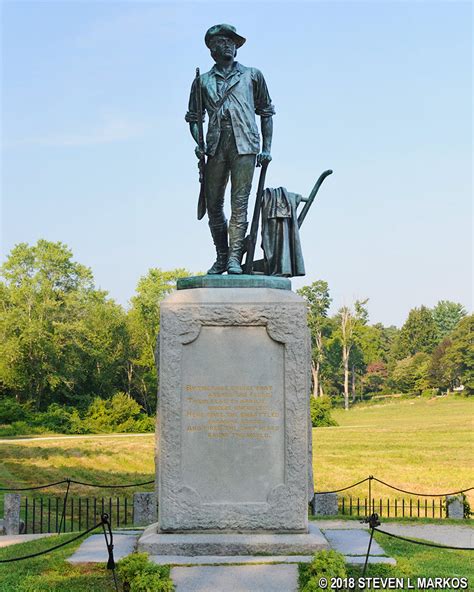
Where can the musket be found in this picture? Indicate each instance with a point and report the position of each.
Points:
(309, 200)
(252, 237)
(201, 208)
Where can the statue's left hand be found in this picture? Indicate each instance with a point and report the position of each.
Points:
(263, 157)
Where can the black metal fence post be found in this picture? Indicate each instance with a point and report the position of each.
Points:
(63, 516)
(373, 523)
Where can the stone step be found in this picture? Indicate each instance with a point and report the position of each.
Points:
(231, 544)
(183, 560)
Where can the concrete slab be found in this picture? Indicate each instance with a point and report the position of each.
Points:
(249, 578)
(229, 559)
(256, 559)
(231, 544)
(93, 549)
(352, 542)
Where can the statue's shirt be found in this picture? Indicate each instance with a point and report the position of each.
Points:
(236, 97)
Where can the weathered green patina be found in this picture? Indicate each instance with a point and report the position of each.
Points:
(234, 281)
(231, 94)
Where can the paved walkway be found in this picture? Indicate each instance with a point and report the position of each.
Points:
(245, 578)
(15, 539)
(81, 437)
(93, 549)
(454, 535)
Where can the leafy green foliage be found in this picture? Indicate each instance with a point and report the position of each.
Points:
(327, 564)
(320, 409)
(128, 567)
(143, 324)
(60, 338)
(459, 355)
(418, 334)
(120, 414)
(139, 575)
(410, 375)
(446, 316)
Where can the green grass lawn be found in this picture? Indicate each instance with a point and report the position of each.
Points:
(420, 445)
(415, 561)
(51, 572)
(105, 460)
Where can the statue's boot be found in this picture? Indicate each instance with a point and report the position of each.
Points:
(219, 236)
(236, 247)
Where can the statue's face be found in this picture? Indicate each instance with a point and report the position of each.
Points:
(223, 48)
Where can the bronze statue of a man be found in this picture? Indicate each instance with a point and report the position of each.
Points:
(231, 94)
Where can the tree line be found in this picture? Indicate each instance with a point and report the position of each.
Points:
(432, 353)
(66, 346)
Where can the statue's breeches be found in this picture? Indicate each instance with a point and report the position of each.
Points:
(240, 167)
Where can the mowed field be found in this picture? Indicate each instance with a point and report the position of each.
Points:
(420, 445)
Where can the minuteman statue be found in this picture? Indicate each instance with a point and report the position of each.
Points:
(231, 94)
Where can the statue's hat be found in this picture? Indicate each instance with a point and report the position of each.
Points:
(226, 31)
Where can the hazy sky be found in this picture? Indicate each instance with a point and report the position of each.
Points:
(96, 152)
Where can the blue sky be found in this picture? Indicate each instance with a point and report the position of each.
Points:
(96, 152)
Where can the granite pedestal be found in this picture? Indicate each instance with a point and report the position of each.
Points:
(232, 435)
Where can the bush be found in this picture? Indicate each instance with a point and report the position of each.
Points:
(11, 410)
(151, 581)
(139, 575)
(128, 567)
(20, 428)
(320, 409)
(328, 564)
(54, 419)
(429, 393)
(121, 413)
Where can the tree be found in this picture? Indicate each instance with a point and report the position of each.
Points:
(459, 355)
(349, 322)
(39, 283)
(318, 299)
(446, 316)
(62, 341)
(411, 375)
(375, 377)
(439, 372)
(143, 321)
(418, 334)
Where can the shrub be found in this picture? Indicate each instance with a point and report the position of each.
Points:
(19, 428)
(118, 414)
(328, 564)
(139, 575)
(55, 419)
(129, 566)
(320, 409)
(151, 581)
(11, 410)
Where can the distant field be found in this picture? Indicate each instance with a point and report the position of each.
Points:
(420, 445)
(96, 459)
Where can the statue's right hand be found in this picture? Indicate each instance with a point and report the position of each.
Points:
(199, 152)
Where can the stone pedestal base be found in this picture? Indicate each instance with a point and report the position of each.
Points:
(226, 544)
(232, 441)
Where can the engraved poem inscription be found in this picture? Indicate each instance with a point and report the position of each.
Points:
(233, 414)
